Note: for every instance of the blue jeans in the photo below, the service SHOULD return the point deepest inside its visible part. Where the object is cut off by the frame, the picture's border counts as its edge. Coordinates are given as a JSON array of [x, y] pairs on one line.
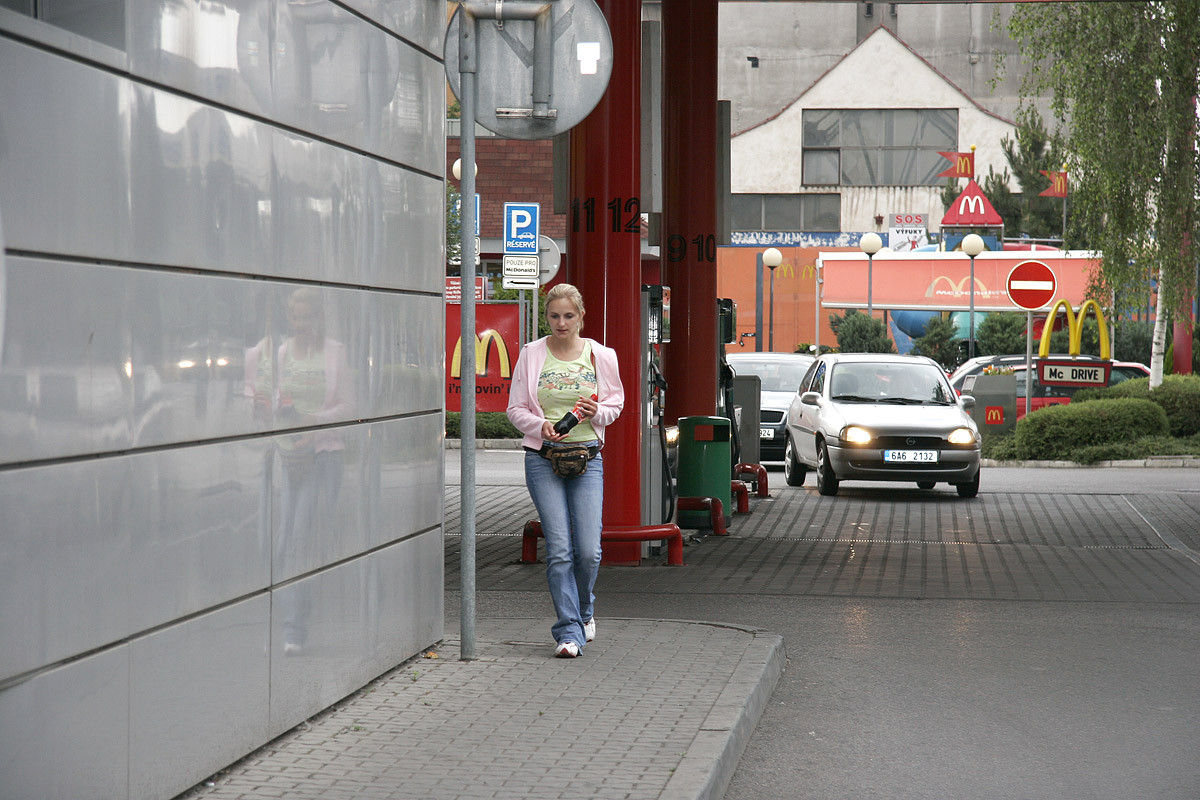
[[571, 512]]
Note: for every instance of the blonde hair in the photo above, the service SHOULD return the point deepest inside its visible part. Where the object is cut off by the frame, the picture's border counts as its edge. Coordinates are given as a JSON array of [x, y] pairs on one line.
[[568, 292]]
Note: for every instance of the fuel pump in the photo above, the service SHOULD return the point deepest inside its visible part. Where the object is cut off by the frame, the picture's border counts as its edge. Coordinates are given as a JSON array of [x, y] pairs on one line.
[[727, 334], [658, 486]]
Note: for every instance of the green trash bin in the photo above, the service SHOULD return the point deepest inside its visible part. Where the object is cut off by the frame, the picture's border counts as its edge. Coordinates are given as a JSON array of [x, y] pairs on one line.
[[705, 466]]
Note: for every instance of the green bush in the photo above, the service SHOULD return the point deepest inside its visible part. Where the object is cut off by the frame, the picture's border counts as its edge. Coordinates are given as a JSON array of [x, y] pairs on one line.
[[999, 446], [1179, 396], [1055, 432], [488, 425], [1142, 448]]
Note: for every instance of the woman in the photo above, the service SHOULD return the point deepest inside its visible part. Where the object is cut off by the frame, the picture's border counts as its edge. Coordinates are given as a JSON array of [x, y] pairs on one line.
[[554, 375]]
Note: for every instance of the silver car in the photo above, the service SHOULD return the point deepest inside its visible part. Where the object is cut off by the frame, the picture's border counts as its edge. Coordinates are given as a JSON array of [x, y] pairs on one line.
[[780, 374], [877, 417]]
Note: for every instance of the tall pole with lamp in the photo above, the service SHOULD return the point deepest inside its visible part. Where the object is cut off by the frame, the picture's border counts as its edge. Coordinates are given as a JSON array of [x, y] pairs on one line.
[[972, 245], [870, 244], [772, 258]]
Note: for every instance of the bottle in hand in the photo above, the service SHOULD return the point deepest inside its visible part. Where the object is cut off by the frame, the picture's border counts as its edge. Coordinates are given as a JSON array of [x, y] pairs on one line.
[[570, 419]]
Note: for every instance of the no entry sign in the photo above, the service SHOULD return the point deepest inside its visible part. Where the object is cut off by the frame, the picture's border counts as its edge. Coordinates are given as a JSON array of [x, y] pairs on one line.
[[1031, 285]]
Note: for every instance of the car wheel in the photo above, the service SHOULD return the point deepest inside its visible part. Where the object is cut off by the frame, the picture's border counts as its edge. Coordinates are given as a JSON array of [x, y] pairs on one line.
[[969, 489], [827, 482], [925, 484], [793, 470]]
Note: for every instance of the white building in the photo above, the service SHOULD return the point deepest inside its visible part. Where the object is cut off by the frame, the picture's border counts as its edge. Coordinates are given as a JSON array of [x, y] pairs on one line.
[[860, 143]]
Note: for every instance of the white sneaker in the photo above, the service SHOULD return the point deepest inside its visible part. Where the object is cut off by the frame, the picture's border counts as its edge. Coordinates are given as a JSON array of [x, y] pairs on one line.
[[567, 650], [589, 629]]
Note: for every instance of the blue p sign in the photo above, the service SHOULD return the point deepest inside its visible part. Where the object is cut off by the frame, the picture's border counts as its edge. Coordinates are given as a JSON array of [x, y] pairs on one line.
[[521, 228]]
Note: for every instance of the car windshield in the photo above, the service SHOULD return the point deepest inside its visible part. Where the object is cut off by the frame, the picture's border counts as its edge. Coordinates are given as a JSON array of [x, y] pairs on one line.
[[776, 376], [889, 382]]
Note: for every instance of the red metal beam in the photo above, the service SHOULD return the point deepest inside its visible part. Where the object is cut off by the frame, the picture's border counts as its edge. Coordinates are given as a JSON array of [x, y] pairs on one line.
[[690, 204], [604, 244]]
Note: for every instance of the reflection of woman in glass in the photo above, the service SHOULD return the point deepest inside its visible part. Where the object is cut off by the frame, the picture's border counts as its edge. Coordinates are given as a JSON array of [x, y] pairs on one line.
[[313, 389]]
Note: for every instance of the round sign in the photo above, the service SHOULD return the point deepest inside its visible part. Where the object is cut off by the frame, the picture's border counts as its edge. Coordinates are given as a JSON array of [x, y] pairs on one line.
[[549, 259], [1031, 285], [537, 78]]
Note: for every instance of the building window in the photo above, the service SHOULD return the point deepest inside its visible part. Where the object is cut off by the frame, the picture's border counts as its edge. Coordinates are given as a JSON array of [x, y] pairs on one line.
[[99, 20], [876, 147], [785, 212]]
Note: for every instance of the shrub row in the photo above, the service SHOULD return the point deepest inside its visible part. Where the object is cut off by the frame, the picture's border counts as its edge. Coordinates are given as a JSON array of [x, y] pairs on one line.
[[1179, 396], [1056, 432], [488, 425]]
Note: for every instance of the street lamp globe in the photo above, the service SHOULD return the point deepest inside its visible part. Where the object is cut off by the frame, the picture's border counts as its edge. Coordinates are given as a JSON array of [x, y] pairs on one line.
[[772, 258], [870, 243], [972, 244], [456, 170]]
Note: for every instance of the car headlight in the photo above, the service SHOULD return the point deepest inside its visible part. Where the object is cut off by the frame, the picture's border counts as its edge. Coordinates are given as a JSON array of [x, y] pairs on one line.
[[852, 434], [962, 436]]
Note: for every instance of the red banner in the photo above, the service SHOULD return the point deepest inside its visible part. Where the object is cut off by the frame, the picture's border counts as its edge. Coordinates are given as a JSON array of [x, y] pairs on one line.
[[497, 345], [917, 281], [962, 165], [1058, 184]]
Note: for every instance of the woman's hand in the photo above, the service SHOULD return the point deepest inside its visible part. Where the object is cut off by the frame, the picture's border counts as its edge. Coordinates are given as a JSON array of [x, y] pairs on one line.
[[548, 434], [589, 407]]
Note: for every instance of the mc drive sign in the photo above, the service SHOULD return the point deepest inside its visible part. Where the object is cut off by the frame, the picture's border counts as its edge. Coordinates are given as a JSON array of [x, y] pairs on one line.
[[521, 228]]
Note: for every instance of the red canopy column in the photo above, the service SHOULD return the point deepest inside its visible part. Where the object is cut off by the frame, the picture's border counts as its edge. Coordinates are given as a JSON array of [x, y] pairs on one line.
[[689, 219], [604, 258]]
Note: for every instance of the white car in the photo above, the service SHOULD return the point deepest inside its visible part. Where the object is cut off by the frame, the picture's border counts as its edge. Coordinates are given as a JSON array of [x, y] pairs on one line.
[[879, 417]]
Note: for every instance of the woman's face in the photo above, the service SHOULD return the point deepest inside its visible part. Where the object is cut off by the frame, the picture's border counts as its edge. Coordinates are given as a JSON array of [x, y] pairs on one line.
[[563, 318]]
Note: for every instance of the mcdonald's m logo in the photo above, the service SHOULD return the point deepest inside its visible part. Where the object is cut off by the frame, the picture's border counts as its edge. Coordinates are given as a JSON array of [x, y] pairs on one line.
[[483, 342], [788, 270], [954, 289], [972, 204], [993, 415], [1074, 328]]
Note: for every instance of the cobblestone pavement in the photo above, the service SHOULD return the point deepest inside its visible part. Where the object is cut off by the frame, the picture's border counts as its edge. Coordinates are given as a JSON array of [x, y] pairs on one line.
[[663, 709], [518, 723]]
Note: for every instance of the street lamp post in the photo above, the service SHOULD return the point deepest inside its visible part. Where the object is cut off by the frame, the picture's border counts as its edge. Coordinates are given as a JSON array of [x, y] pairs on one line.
[[772, 258], [972, 245], [870, 244]]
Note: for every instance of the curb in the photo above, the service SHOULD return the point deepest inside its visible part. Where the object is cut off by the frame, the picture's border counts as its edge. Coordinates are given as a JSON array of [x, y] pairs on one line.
[[486, 444], [1150, 462], [707, 769]]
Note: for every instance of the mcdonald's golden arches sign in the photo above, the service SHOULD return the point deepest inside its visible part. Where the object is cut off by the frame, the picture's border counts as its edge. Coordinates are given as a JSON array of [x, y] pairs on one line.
[[497, 345]]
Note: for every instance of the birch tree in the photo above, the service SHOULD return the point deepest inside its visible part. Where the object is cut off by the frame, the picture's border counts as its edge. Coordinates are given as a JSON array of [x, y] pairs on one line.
[[1124, 78]]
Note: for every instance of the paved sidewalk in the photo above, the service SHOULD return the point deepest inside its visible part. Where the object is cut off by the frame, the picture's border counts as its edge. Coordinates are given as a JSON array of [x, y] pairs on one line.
[[653, 709]]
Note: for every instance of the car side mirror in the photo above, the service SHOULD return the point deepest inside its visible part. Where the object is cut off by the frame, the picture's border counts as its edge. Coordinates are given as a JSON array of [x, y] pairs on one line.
[[968, 401], [810, 398]]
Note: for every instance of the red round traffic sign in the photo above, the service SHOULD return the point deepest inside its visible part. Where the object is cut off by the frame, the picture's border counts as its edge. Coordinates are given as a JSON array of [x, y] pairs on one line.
[[1031, 285]]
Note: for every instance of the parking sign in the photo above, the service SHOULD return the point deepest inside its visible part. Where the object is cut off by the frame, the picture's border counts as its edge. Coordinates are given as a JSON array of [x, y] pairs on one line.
[[521, 228]]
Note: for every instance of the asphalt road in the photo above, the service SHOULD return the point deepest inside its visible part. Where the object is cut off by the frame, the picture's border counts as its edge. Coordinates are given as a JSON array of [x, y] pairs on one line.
[[1041, 642]]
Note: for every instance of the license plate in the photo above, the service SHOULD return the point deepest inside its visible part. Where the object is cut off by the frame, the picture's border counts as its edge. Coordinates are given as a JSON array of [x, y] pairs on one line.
[[766, 433], [909, 456]]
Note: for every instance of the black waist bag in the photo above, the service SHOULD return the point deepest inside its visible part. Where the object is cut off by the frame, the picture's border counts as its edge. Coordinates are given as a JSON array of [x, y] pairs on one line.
[[567, 462]]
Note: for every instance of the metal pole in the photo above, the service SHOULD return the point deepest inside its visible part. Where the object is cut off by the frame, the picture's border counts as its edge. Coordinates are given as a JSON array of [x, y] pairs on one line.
[[817, 307], [467, 63], [971, 323], [1029, 358], [1064, 232], [870, 265], [758, 309], [772, 345]]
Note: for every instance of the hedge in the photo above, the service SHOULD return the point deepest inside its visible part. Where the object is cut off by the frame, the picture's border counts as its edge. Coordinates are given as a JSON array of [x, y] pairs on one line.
[[488, 425], [1056, 432], [1179, 396]]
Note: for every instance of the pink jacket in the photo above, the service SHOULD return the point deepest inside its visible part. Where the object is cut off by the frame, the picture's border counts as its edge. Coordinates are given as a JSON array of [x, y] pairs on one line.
[[524, 410]]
